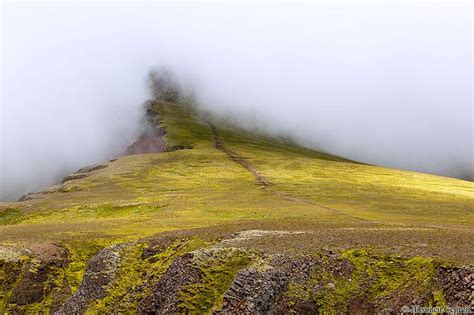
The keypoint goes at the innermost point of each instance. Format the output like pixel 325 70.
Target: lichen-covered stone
pixel 100 273
pixel 165 295
pixel 254 292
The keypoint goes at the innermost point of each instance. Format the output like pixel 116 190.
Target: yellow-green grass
pixel 141 195
pixel 363 191
pixel 199 195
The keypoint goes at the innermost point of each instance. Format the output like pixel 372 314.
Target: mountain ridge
pixel 227 221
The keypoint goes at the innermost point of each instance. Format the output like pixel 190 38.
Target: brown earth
pixel 149 142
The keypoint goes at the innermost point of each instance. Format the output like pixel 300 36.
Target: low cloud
pixel 389 84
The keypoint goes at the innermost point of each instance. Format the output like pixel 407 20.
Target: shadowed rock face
pixel 253 264
pixel 149 142
pixel 84 172
pixel 457 285
pixel 271 284
pixel 28 281
pixel 254 292
pixel 100 273
pixel 30 288
pixel 165 296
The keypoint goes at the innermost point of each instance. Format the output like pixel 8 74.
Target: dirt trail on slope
pixel 218 144
pixel 259 177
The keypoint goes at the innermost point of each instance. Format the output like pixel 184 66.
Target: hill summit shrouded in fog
pixel 365 81
pixel 219 220
pixel 279 158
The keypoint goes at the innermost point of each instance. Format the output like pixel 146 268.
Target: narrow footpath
pixel 259 177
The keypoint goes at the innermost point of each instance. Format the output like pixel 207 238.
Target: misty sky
pixel 384 83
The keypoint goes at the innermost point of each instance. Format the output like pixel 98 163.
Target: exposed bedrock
pixel 100 273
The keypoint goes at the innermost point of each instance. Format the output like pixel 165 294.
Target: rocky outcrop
pixel 173 278
pixel 150 141
pixel 92 168
pixel 165 296
pixel 30 287
pixel 74 177
pixel 31 277
pixel 457 284
pixel 100 273
pixel 254 292
pixel 84 172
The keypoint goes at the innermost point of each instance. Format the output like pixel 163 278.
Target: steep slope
pixel 224 220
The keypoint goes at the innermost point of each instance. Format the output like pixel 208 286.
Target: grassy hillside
pixel 220 201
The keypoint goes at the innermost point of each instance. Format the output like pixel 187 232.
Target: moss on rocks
pixel 218 269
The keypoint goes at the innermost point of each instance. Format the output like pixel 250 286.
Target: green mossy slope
pixel 394 227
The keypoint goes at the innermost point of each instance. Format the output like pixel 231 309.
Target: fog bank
pixel 384 83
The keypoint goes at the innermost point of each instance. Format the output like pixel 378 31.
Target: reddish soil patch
pixel 149 142
pixel 48 252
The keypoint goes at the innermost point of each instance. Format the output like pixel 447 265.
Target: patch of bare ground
pixel 448 245
pixel 48 252
pixel 149 142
